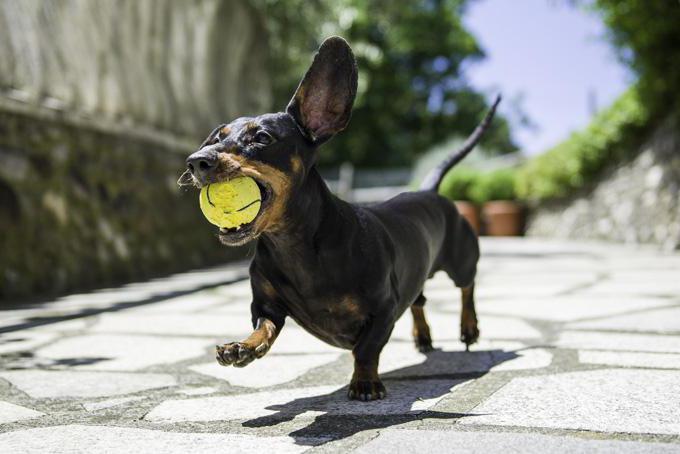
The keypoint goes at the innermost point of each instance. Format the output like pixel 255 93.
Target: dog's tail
pixel 434 178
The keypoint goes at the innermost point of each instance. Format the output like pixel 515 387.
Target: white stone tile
pixel 239 309
pixel 403 398
pixel 119 440
pixel 174 324
pixel 197 391
pixel 24 340
pixel 122 352
pixel 403 360
pixel 12 413
pixel 621 400
pixel 94 406
pixel 546 290
pixel 238 290
pixel 566 308
pixel 659 320
pixel 186 304
pixel 446 327
pixel 67 326
pixel 267 371
pixel 630 359
pixel 653 285
pixel 392 441
pixel 56 384
pixel 588 340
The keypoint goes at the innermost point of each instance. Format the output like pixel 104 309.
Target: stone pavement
pixel 579 352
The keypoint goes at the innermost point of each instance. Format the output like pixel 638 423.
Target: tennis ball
pixel 232 203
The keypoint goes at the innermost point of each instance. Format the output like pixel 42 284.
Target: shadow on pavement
pixel 409 389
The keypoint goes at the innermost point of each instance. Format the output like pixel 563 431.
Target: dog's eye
pixel 263 138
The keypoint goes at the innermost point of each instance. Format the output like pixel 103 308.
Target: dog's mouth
pixel 236 236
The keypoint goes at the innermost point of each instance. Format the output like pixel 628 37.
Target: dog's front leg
pixel 240 354
pixel 366 384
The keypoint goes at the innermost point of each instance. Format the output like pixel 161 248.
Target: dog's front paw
pixel 366 390
pixel 239 354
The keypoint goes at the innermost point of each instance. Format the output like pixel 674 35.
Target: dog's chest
pixel 336 320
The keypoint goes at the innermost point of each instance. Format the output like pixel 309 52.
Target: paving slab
pixel 579 352
pixel 267 371
pixel 653 321
pixel 121 352
pixel 60 384
pixel 198 390
pixel 87 439
pixel 619 341
pixel 23 341
pixel 185 304
pixel 623 400
pixel 445 326
pixel 403 440
pixel 567 308
pixel 409 397
pixel 450 358
pixel 11 413
pixel 630 359
pixel 173 324
pixel 104 404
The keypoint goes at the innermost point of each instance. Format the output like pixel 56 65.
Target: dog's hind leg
pixel 469 332
pixel 421 330
pixel 459 259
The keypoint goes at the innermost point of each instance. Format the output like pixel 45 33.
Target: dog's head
pixel 278 149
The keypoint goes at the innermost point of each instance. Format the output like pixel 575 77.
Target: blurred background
pixel 101 101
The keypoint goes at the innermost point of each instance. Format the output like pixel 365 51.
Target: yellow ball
pixel 232 203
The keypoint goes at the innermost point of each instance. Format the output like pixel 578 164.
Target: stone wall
pixel 635 202
pixel 81 207
pixel 173 65
pixel 100 103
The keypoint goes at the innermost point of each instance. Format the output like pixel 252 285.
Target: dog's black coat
pixel 345 273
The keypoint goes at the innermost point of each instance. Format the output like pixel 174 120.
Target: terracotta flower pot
pixel 470 212
pixel 503 218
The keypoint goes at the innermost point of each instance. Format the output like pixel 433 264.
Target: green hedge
pixel 473 185
pixel 611 136
pixel 577 160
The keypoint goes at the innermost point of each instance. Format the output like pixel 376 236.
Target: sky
pixel 549 59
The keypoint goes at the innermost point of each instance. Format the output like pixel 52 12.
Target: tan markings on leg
pixel 469 332
pixel 263 337
pixel 240 354
pixel 421 330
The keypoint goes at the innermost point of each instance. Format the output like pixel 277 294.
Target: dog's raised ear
pixel 322 104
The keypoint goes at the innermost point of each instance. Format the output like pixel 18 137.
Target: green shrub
pixel 495 185
pixel 475 186
pixel 577 160
pixel 458 184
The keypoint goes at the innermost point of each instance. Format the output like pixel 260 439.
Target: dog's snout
pixel 202 163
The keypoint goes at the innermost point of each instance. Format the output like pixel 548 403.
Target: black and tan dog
pixel 344 273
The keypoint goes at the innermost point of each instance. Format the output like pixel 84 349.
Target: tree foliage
pixel 570 165
pixel 647 34
pixel 411 56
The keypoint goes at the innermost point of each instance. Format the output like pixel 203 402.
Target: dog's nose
pixel 202 164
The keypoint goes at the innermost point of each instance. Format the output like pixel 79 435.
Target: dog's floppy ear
pixel 322 104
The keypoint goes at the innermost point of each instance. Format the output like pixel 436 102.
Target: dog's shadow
pixel 411 391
